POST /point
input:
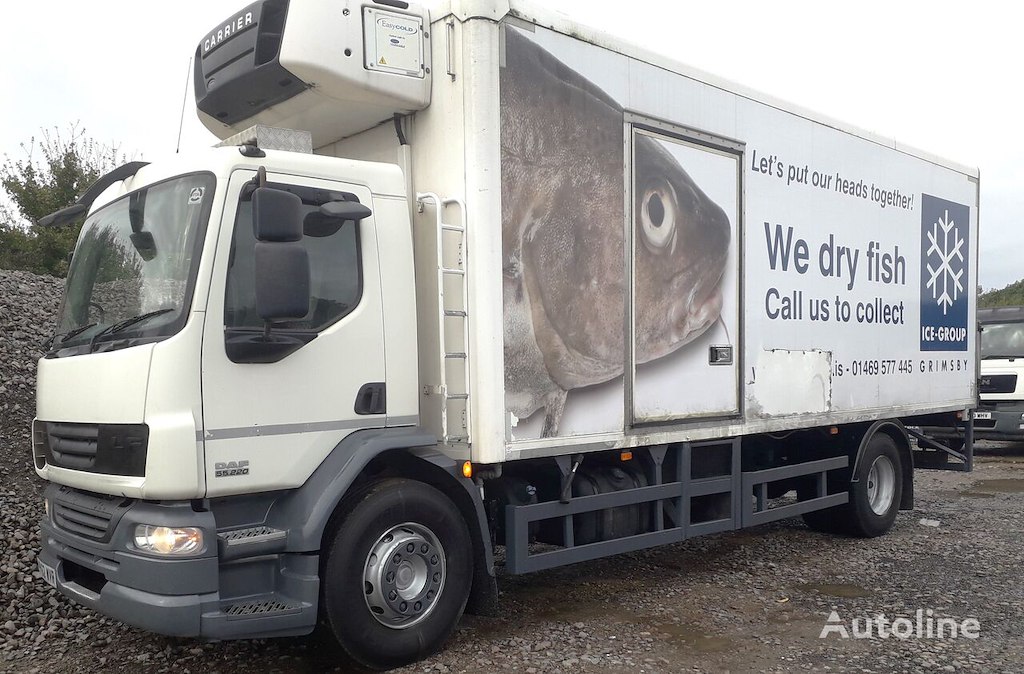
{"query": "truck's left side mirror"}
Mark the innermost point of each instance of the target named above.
(281, 280)
(281, 263)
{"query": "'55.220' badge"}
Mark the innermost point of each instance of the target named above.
(230, 468)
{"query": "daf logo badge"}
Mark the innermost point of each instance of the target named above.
(230, 468)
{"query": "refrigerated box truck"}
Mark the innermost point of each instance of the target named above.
(480, 283)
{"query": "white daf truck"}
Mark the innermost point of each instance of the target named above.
(1000, 414)
(477, 283)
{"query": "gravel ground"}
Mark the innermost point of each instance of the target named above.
(753, 600)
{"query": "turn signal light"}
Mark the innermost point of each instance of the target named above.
(467, 469)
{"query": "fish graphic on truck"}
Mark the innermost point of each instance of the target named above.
(565, 284)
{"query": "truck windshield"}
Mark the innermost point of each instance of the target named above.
(132, 273)
(1002, 340)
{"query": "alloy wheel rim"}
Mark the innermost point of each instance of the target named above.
(404, 575)
(881, 485)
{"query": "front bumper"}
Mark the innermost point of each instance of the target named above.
(1006, 423)
(87, 540)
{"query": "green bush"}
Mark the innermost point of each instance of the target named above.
(1010, 296)
(53, 172)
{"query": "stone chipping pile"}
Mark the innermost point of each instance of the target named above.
(29, 611)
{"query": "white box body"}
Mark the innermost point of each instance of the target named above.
(657, 255)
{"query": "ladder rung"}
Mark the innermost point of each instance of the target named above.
(457, 396)
(455, 312)
(449, 270)
(453, 228)
(455, 355)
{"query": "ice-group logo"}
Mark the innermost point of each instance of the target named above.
(945, 283)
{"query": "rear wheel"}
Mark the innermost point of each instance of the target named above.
(875, 494)
(397, 574)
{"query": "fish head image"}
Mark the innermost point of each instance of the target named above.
(682, 247)
(564, 275)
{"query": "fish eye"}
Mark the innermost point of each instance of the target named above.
(658, 214)
(656, 210)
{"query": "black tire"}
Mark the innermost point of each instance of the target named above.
(857, 517)
(864, 521)
(395, 507)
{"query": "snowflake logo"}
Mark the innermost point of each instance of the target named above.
(947, 245)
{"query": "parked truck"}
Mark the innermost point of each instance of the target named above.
(477, 290)
(1000, 412)
(1000, 415)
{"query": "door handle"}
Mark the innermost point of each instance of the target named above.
(372, 398)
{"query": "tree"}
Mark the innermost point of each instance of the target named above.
(53, 172)
(1011, 295)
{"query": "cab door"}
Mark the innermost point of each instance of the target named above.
(268, 425)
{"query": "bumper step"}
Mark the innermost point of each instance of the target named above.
(250, 542)
(262, 608)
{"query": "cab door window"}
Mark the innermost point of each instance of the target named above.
(335, 264)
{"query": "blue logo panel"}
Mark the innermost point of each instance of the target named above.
(945, 281)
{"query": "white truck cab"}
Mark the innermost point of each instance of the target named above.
(1000, 416)
(134, 335)
(164, 389)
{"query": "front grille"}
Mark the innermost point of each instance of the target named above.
(92, 516)
(112, 449)
(81, 521)
(73, 445)
(997, 383)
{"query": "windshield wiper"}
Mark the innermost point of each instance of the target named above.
(66, 336)
(120, 326)
(1000, 357)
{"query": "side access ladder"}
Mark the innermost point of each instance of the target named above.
(453, 387)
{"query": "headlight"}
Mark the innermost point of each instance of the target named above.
(168, 540)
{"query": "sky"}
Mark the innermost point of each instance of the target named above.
(940, 76)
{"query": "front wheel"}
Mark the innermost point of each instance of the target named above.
(397, 573)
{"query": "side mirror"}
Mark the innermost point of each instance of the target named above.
(282, 282)
(346, 210)
(332, 215)
(144, 244)
(281, 263)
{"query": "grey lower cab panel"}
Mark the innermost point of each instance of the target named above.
(267, 593)
(260, 613)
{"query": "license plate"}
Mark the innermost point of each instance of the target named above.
(982, 415)
(48, 573)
